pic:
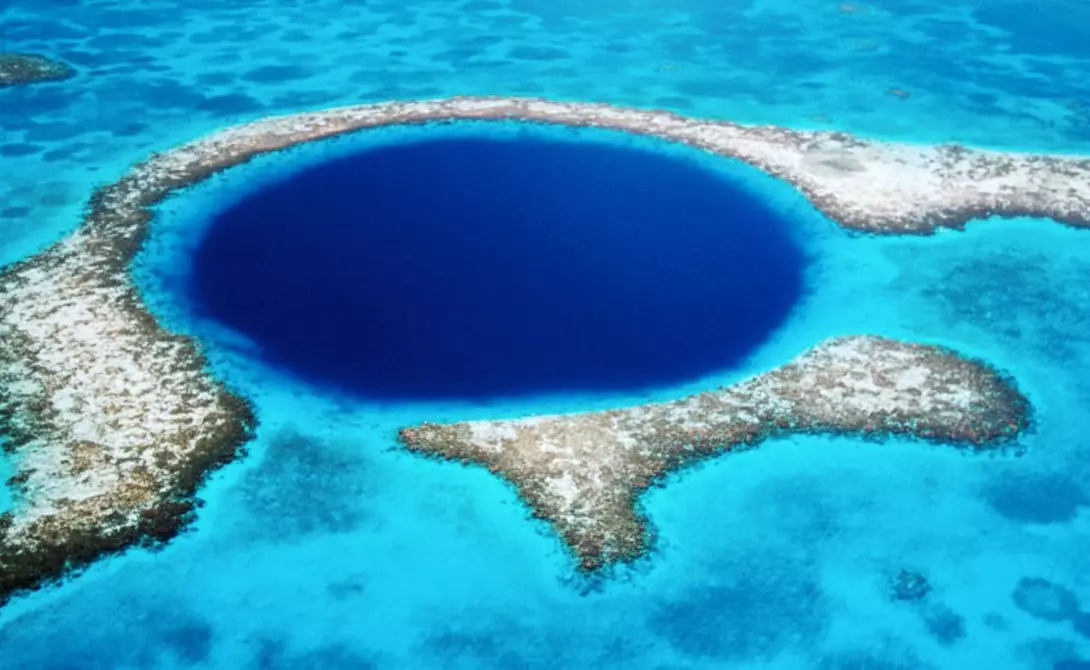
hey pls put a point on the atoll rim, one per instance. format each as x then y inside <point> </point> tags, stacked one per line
<point>422,396</point>
<point>112,419</point>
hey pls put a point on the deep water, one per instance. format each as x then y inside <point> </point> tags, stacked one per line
<point>479,267</point>
<point>329,547</point>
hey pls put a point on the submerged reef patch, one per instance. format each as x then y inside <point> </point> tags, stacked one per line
<point>17,69</point>
<point>1045,600</point>
<point>112,422</point>
<point>582,473</point>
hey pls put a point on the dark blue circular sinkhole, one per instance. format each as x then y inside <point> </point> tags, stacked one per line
<point>477,267</point>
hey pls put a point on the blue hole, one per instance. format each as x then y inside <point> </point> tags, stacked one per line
<point>478,267</point>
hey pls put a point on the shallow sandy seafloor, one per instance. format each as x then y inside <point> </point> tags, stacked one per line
<point>379,558</point>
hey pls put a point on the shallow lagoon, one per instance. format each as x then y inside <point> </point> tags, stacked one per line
<point>328,547</point>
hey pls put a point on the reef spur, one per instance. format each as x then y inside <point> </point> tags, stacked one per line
<point>583,472</point>
<point>112,422</point>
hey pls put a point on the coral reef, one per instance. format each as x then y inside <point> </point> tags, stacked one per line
<point>112,422</point>
<point>583,472</point>
<point>910,586</point>
<point>17,69</point>
<point>867,185</point>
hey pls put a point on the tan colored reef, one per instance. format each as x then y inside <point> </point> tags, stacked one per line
<point>583,472</point>
<point>112,422</point>
<point>17,69</point>
<point>881,187</point>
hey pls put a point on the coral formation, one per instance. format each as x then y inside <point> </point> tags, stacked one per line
<point>873,186</point>
<point>583,472</point>
<point>910,586</point>
<point>112,422</point>
<point>16,69</point>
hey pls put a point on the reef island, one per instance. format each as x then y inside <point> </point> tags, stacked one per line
<point>112,422</point>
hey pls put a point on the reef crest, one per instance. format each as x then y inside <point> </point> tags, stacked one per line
<point>583,472</point>
<point>868,185</point>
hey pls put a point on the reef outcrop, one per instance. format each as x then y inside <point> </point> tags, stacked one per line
<point>111,421</point>
<point>17,69</point>
<point>861,184</point>
<point>582,473</point>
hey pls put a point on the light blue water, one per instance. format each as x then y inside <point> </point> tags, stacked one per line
<point>6,471</point>
<point>330,548</point>
<point>156,72</point>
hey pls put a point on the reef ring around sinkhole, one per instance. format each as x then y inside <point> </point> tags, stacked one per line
<point>112,422</point>
<point>493,261</point>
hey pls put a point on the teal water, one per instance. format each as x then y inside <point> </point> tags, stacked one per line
<point>330,548</point>
<point>158,72</point>
<point>7,469</point>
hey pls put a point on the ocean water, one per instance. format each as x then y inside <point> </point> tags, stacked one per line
<point>557,262</point>
<point>328,547</point>
<point>6,471</point>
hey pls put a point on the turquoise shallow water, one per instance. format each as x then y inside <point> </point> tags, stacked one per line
<point>156,72</point>
<point>330,548</point>
<point>6,471</point>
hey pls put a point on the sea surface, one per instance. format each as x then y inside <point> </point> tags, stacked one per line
<point>495,261</point>
<point>330,547</point>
